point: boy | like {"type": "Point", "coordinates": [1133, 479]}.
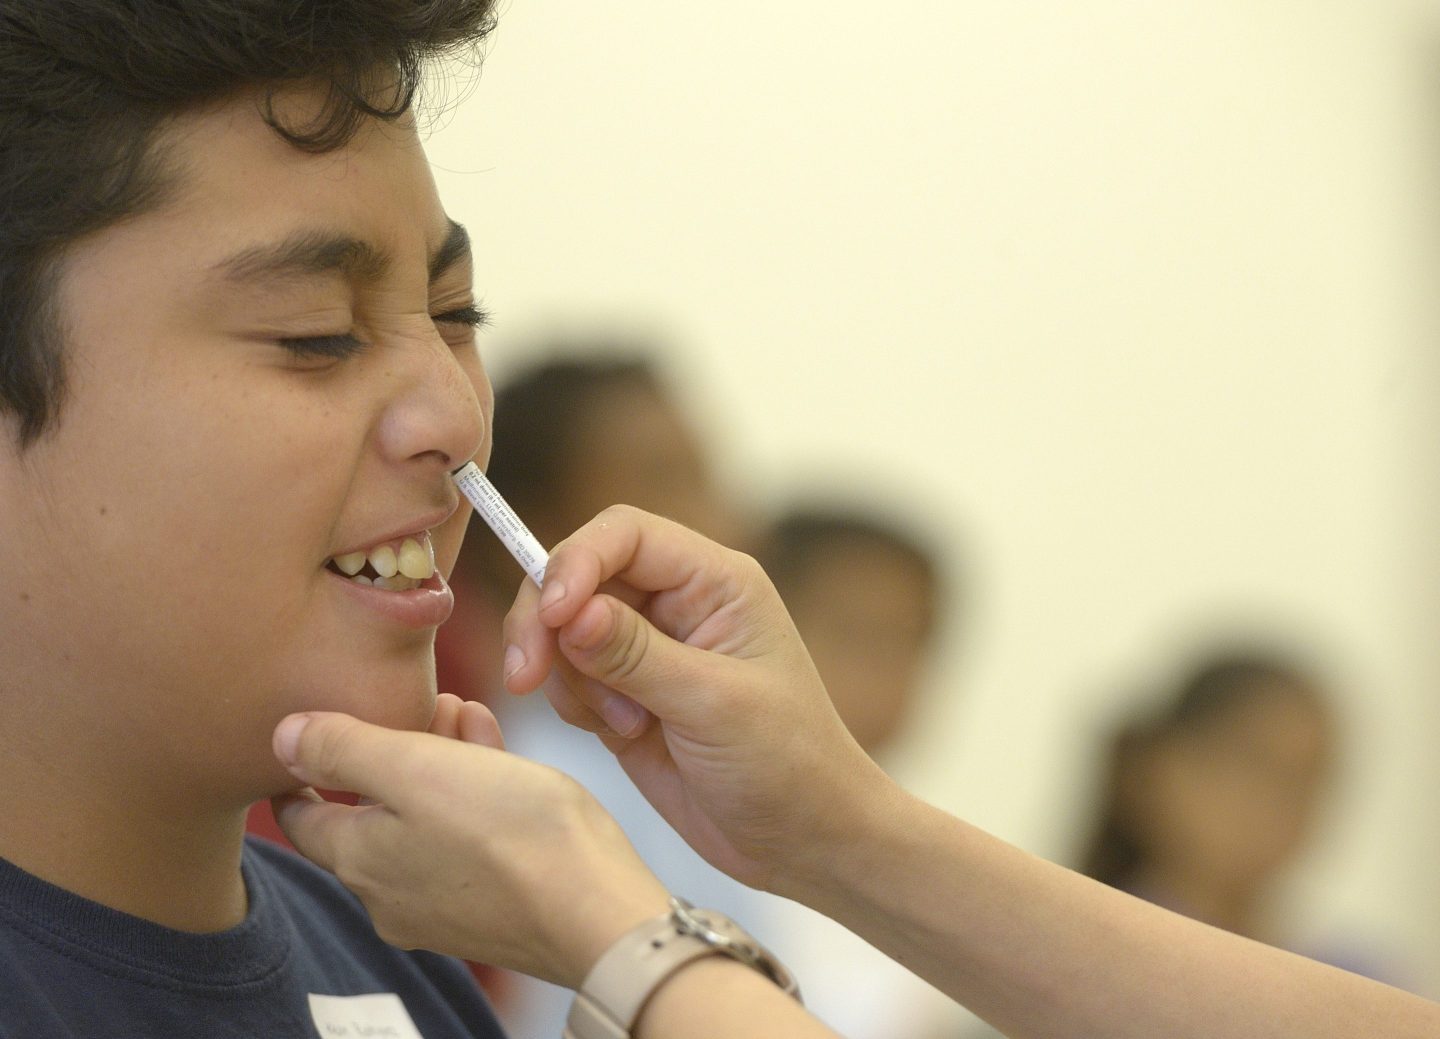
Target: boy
{"type": "Point", "coordinates": [237, 362]}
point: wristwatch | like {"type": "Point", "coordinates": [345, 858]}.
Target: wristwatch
{"type": "Point", "coordinates": [627, 975]}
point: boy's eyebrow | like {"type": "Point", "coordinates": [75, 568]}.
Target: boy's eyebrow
{"type": "Point", "coordinates": [455, 248]}
{"type": "Point", "coordinates": [320, 253]}
{"type": "Point", "coordinates": [307, 253]}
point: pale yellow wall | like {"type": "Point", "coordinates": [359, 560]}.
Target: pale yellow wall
{"type": "Point", "coordinates": [1122, 292]}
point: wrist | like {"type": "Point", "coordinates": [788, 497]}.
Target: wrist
{"type": "Point", "coordinates": [644, 961]}
{"type": "Point", "coordinates": [845, 839]}
{"type": "Point", "coordinates": [851, 849]}
{"type": "Point", "coordinates": [586, 891]}
{"type": "Point", "coordinates": [607, 917]}
{"type": "Point", "coordinates": [717, 996]}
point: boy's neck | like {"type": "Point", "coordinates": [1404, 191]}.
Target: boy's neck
{"type": "Point", "coordinates": [170, 864]}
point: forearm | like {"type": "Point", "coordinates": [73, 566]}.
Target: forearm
{"type": "Point", "coordinates": [720, 996]}
{"type": "Point", "coordinates": [1040, 951]}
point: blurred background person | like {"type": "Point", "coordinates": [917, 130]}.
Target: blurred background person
{"type": "Point", "coordinates": [591, 423]}
{"type": "Point", "coordinates": [866, 596]}
{"type": "Point", "coordinates": [1208, 799]}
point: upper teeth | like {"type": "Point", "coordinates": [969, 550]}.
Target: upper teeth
{"type": "Point", "coordinates": [351, 562]}
{"type": "Point", "coordinates": [414, 559]}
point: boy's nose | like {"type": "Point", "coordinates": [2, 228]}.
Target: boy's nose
{"type": "Point", "coordinates": [440, 409]}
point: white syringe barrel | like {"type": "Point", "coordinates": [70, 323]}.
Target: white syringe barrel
{"type": "Point", "coordinates": [501, 518]}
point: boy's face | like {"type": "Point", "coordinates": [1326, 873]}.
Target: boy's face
{"type": "Point", "coordinates": [169, 545]}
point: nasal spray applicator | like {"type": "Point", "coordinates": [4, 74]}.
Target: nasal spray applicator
{"type": "Point", "coordinates": [501, 518]}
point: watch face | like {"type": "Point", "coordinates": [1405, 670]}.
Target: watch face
{"type": "Point", "coordinates": [724, 935]}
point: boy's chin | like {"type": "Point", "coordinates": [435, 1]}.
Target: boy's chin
{"type": "Point", "coordinates": [395, 697]}
{"type": "Point", "coordinates": [410, 712]}
{"type": "Point", "coordinates": [402, 708]}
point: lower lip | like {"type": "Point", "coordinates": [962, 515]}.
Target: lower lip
{"type": "Point", "coordinates": [428, 606]}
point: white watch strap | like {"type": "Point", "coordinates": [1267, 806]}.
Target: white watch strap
{"type": "Point", "coordinates": [625, 977]}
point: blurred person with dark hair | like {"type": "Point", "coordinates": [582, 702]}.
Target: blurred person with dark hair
{"type": "Point", "coordinates": [865, 595]}
{"type": "Point", "coordinates": [598, 423]}
{"type": "Point", "coordinates": [595, 423]}
{"type": "Point", "coordinates": [1209, 798]}
{"type": "Point", "coordinates": [592, 423]}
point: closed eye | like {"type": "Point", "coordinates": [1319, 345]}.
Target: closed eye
{"type": "Point", "coordinates": [335, 347]}
{"type": "Point", "coordinates": [470, 316]}
{"type": "Point", "coordinates": [347, 344]}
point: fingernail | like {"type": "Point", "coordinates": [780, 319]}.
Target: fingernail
{"type": "Point", "coordinates": [514, 660]}
{"type": "Point", "coordinates": [621, 713]}
{"type": "Point", "coordinates": [286, 741]}
{"type": "Point", "coordinates": [553, 593]}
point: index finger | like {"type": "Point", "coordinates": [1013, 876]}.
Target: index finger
{"type": "Point", "coordinates": [645, 552]}
{"type": "Point", "coordinates": [628, 553]}
{"type": "Point", "coordinates": [316, 827]}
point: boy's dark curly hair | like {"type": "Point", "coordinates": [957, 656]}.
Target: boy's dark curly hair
{"type": "Point", "coordinates": [86, 85]}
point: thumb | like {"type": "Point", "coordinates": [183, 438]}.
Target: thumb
{"type": "Point", "coordinates": [618, 648]}
{"type": "Point", "coordinates": [338, 752]}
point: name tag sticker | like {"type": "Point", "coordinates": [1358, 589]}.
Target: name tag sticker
{"type": "Point", "coordinates": [379, 1016]}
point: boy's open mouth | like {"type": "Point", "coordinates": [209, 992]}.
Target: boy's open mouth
{"type": "Point", "coordinates": [394, 566]}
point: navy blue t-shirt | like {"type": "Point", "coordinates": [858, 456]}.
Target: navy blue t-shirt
{"type": "Point", "coordinates": [70, 967]}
